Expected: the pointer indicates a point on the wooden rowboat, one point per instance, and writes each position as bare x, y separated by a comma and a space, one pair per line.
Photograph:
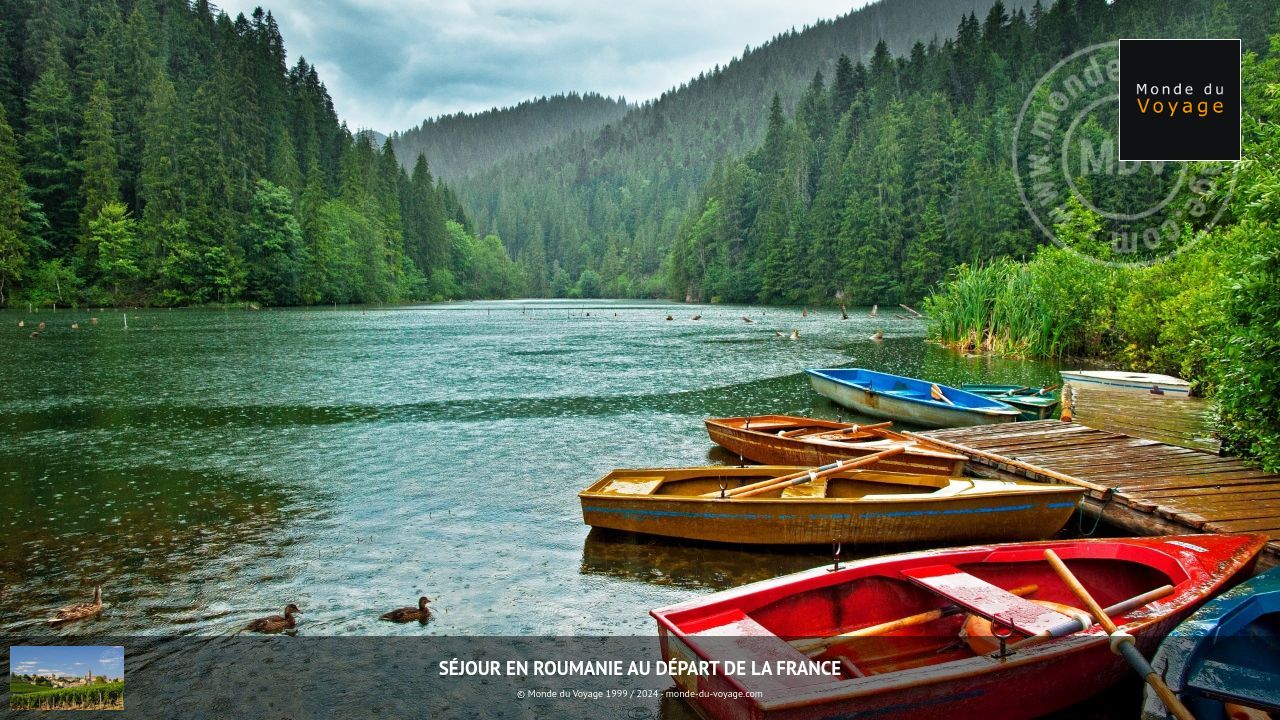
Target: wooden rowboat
1224, 661
1034, 403
852, 506
791, 440
908, 399
880, 638
1136, 381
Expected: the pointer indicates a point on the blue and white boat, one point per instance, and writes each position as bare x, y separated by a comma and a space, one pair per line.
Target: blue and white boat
1224, 661
907, 399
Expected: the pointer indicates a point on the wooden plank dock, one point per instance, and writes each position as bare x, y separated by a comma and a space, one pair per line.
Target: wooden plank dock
1140, 484
1186, 422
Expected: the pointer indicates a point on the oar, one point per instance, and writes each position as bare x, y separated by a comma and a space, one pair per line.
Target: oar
935, 392
806, 475
1121, 643
809, 477
811, 646
1047, 390
858, 428
1084, 622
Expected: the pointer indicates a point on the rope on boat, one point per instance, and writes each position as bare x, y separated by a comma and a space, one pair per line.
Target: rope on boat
1109, 495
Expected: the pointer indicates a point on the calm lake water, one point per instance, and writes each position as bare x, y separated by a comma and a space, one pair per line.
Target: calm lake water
207, 467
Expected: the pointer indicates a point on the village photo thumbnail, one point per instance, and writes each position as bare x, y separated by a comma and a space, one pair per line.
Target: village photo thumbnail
62, 677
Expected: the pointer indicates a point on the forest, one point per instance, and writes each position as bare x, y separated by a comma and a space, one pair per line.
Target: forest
463, 144
161, 153
613, 201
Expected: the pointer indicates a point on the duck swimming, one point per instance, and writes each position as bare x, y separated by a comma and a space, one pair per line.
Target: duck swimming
409, 614
79, 611
275, 623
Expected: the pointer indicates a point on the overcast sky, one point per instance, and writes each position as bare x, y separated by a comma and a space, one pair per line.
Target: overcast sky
389, 65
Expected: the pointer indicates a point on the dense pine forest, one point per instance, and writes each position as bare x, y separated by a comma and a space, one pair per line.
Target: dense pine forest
159, 152
896, 170
612, 202
463, 144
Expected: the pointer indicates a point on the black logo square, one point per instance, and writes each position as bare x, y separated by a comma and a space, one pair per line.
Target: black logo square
1179, 100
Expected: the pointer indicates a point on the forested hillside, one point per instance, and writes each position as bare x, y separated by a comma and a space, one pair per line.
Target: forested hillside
463, 144
613, 200
890, 173
159, 152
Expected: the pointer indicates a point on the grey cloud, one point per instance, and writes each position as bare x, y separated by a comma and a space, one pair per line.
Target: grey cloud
388, 66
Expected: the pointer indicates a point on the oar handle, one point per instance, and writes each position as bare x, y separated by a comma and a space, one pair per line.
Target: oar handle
1080, 592
1121, 643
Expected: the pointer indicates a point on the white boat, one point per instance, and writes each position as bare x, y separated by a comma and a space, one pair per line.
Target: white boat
1121, 380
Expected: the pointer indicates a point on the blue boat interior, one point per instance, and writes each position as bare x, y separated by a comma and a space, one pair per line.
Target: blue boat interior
909, 388
1242, 662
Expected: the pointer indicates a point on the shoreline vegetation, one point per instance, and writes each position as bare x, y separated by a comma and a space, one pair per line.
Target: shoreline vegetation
1210, 314
100, 696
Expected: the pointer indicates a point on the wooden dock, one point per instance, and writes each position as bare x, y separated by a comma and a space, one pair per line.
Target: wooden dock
1140, 484
1182, 421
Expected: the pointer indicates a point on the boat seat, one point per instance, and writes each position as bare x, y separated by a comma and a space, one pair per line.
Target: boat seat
738, 637
812, 489
637, 485
992, 602
1244, 685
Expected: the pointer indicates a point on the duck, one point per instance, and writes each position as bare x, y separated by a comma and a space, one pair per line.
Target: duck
409, 614
79, 611
795, 334
878, 336
75, 326
696, 317
40, 326
747, 319
669, 318
275, 623
35, 334
22, 323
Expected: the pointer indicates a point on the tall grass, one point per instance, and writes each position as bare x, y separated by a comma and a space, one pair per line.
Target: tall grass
1057, 304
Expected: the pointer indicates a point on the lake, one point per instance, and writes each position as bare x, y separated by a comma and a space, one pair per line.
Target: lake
207, 467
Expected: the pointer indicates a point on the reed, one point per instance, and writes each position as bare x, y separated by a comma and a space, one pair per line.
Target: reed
1053, 306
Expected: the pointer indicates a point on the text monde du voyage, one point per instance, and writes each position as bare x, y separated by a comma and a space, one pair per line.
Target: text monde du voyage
1180, 99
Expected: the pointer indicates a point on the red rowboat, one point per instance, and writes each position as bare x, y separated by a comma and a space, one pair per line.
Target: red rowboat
792, 440
881, 637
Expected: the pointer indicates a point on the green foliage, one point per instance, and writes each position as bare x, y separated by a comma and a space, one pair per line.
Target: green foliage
98, 696
175, 140
14, 247
114, 239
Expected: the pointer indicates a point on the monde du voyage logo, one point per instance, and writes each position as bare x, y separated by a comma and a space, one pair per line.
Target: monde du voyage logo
1124, 152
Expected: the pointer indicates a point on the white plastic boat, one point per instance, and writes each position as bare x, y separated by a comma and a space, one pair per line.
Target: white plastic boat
1121, 380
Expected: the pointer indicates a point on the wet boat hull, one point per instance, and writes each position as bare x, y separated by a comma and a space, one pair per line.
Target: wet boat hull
756, 621
769, 448
884, 405
1029, 512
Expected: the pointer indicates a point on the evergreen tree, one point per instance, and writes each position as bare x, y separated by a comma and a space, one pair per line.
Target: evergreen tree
100, 185
13, 199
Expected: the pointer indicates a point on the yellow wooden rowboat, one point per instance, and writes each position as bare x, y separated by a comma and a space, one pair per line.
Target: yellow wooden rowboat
851, 506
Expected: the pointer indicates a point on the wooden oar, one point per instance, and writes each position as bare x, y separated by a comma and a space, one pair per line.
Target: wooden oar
812, 646
935, 392
1121, 643
1084, 622
859, 428
806, 475
1047, 390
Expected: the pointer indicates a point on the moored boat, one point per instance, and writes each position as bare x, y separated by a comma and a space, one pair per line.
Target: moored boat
791, 440
1121, 380
908, 399
850, 506
1034, 403
886, 632
1224, 661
